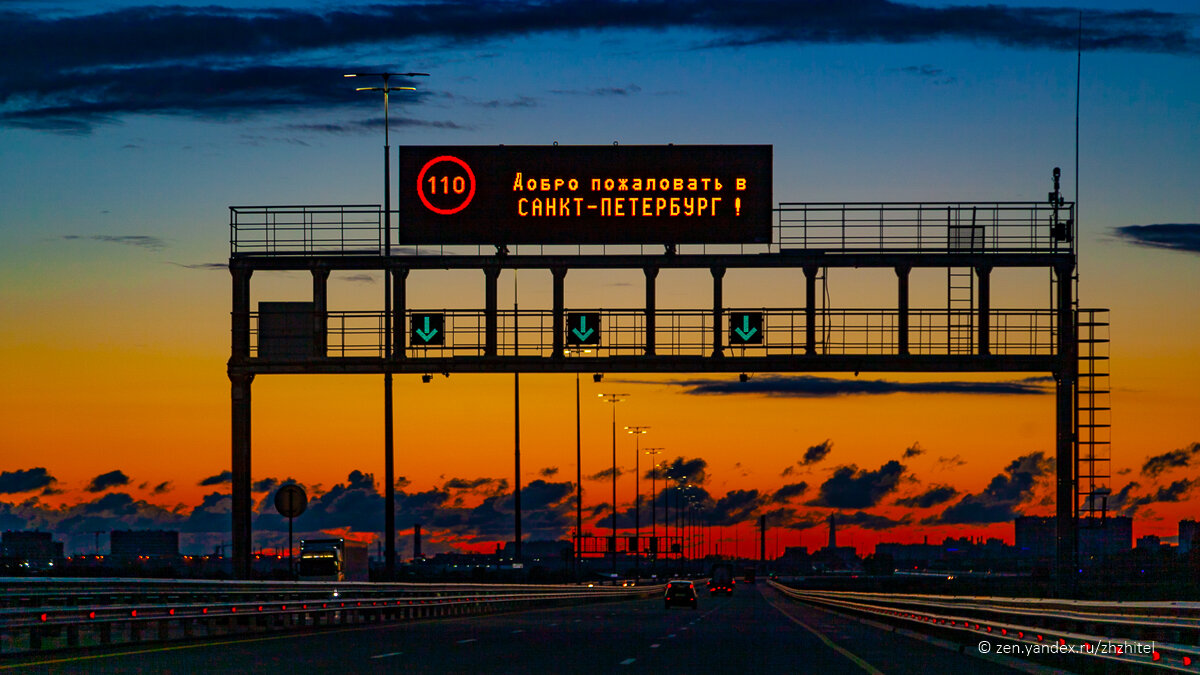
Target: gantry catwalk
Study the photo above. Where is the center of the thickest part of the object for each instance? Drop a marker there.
(968, 240)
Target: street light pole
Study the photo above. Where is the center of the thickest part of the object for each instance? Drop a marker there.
(653, 500)
(637, 491)
(578, 481)
(614, 399)
(389, 468)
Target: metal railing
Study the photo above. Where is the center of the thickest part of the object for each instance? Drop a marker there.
(1161, 635)
(199, 610)
(306, 230)
(1012, 332)
(936, 227)
(860, 227)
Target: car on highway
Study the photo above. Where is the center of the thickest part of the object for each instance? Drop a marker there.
(679, 592)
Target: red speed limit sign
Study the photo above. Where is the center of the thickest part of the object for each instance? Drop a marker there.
(446, 185)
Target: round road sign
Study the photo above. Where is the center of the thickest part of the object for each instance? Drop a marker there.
(290, 501)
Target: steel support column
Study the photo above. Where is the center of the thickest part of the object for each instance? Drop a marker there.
(810, 310)
(240, 468)
(902, 310)
(491, 321)
(718, 334)
(651, 307)
(1064, 457)
(984, 273)
(320, 279)
(399, 313)
(558, 274)
(240, 349)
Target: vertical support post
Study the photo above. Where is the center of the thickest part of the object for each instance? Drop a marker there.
(985, 309)
(718, 334)
(240, 468)
(558, 274)
(389, 479)
(902, 273)
(240, 349)
(399, 313)
(320, 278)
(651, 307)
(491, 320)
(517, 469)
(810, 309)
(1065, 379)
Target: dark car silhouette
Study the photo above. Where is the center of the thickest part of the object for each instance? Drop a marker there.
(680, 592)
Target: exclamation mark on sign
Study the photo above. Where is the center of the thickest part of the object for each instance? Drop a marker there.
(737, 206)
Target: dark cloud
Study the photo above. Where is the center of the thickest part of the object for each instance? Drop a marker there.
(1174, 459)
(264, 485)
(1174, 236)
(606, 474)
(736, 506)
(852, 488)
(929, 74)
(788, 491)
(816, 453)
(25, 480)
(69, 72)
(628, 90)
(682, 471)
(203, 266)
(869, 521)
(999, 500)
(951, 462)
(139, 240)
(359, 278)
(549, 472)
(108, 480)
(808, 386)
(223, 477)
(162, 488)
(1174, 492)
(912, 451)
(935, 495)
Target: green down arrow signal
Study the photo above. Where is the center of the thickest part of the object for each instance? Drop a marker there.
(428, 332)
(583, 332)
(745, 331)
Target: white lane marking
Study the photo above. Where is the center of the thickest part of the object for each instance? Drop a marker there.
(628, 661)
(463, 642)
(384, 656)
(655, 646)
(519, 630)
(683, 629)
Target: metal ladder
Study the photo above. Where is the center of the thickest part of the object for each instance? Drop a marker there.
(1093, 417)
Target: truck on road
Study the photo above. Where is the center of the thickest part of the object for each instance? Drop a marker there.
(333, 560)
(721, 579)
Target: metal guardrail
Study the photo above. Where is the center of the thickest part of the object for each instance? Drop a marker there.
(1013, 332)
(1157, 635)
(861, 227)
(34, 629)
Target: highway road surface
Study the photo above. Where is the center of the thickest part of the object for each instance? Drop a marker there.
(754, 631)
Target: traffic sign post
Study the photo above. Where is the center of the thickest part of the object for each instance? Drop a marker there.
(745, 328)
(428, 330)
(583, 328)
(290, 501)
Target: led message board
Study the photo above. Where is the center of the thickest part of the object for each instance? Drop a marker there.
(642, 194)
